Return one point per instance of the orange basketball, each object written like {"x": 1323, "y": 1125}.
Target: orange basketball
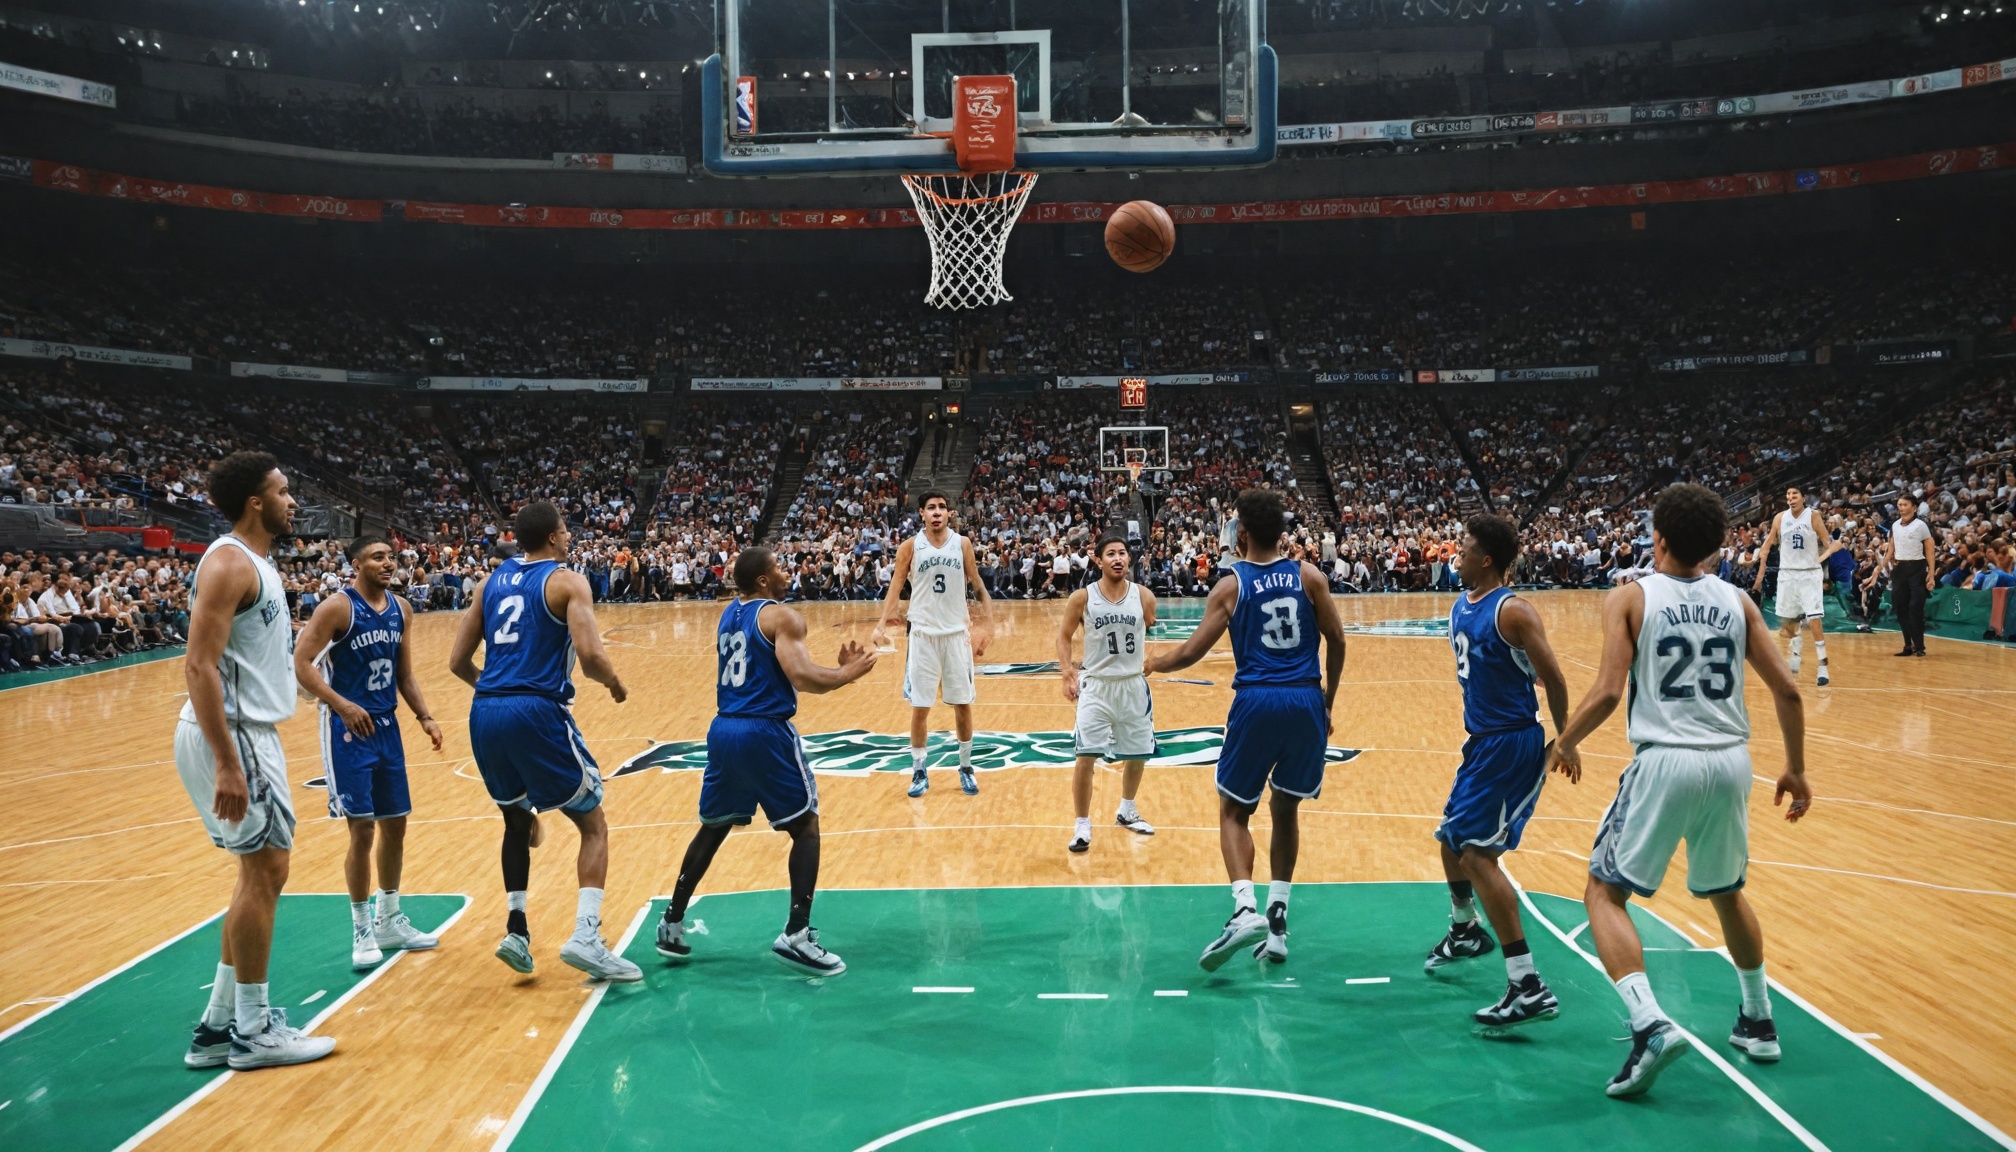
{"x": 1140, "y": 235}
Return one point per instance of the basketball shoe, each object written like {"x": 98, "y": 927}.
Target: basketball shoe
{"x": 277, "y": 1045}
{"x": 1464, "y": 941}
{"x": 920, "y": 782}
{"x": 590, "y": 955}
{"x": 516, "y": 951}
{"x": 672, "y": 942}
{"x": 1274, "y": 948}
{"x": 1133, "y": 823}
{"x": 802, "y": 952}
{"x": 1242, "y": 929}
{"x": 1652, "y": 1049}
{"x": 396, "y": 931}
{"x": 1757, "y": 1037}
{"x": 1524, "y": 1002}
{"x": 208, "y": 1047}
{"x": 967, "y": 783}
{"x": 364, "y": 950}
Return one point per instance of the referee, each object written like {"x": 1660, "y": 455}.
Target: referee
{"x": 1910, "y": 574}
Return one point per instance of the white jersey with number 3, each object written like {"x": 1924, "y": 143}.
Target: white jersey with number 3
{"x": 937, "y": 585}
{"x": 1687, "y": 679}
{"x": 1114, "y": 634}
{"x": 1798, "y": 543}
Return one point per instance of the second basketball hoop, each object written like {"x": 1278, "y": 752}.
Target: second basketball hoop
{"x": 968, "y": 217}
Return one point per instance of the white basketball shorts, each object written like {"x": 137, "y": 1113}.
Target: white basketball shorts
{"x": 1116, "y": 718}
{"x": 1799, "y": 595}
{"x": 269, "y": 810}
{"x": 939, "y": 667}
{"x": 1700, "y": 795}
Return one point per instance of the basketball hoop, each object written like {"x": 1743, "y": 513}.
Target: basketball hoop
{"x": 1134, "y": 472}
{"x": 967, "y": 219}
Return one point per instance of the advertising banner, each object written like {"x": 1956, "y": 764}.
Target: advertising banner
{"x": 1906, "y": 352}
{"x": 57, "y": 350}
{"x": 1165, "y": 379}
{"x": 1465, "y": 375}
{"x": 16, "y": 168}
{"x": 1575, "y": 372}
{"x": 59, "y": 86}
{"x": 1365, "y": 376}
{"x": 1733, "y": 360}
{"x": 525, "y": 384}
{"x": 620, "y": 162}
{"x": 291, "y": 372}
{"x": 1832, "y": 96}
{"x": 818, "y": 383}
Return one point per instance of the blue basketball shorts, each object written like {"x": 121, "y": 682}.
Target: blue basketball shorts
{"x": 1278, "y": 734}
{"x": 752, "y": 761}
{"x": 1497, "y": 786}
{"x": 366, "y": 775}
{"x": 531, "y": 755}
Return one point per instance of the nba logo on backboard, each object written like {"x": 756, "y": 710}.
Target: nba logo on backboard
{"x": 983, "y": 123}
{"x": 745, "y": 106}
{"x": 1133, "y": 392}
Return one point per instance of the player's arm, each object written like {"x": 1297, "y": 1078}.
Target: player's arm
{"x": 786, "y": 631}
{"x": 1520, "y": 624}
{"x": 409, "y": 685}
{"x": 1074, "y": 618}
{"x": 468, "y": 634}
{"x": 1623, "y": 610}
{"x": 1777, "y": 676}
{"x": 1331, "y": 624}
{"x": 892, "y": 616}
{"x": 330, "y": 619}
{"x": 577, "y": 607}
{"x": 1764, "y": 555}
{"x": 1217, "y": 617}
{"x": 216, "y": 602}
{"x": 984, "y": 613}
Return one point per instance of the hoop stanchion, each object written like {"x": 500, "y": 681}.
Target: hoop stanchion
{"x": 967, "y": 219}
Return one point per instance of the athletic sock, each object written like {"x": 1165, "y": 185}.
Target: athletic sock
{"x": 251, "y": 1009}
{"x": 360, "y": 913}
{"x": 588, "y": 913}
{"x": 515, "y": 922}
{"x": 1127, "y": 810}
{"x": 1637, "y": 994}
{"x": 388, "y": 904}
{"x": 1462, "y": 902}
{"x": 916, "y": 759}
{"x": 965, "y": 755}
{"x": 1756, "y": 994}
{"x": 1083, "y": 829}
{"x": 1277, "y": 893}
{"x": 1242, "y": 896}
{"x": 1798, "y": 646}
{"x": 1518, "y": 961}
{"x": 223, "y": 998}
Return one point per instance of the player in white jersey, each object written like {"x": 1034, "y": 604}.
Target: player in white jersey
{"x": 240, "y": 673}
{"x": 1116, "y": 715}
{"x": 1803, "y": 548}
{"x": 939, "y": 565}
{"x": 1680, "y": 638}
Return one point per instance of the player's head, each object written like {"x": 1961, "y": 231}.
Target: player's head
{"x": 1113, "y": 555}
{"x": 251, "y": 491}
{"x": 758, "y": 575}
{"x": 1689, "y": 522}
{"x": 1795, "y": 500}
{"x": 936, "y": 508}
{"x": 371, "y": 556}
{"x": 1262, "y": 518}
{"x": 1490, "y": 544}
{"x": 541, "y": 530}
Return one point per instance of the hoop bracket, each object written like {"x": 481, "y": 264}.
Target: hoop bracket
{"x": 983, "y": 123}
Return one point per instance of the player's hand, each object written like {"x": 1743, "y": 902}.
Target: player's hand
{"x": 356, "y": 719}
{"x": 433, "y": 731}
{"x": 880, "y": 639}
{"x": 617, "y": 691}
{"x": 1793, "y": 784}
{"x": 981, "y": 636}
{"x": 1565, "y": 759}
{"x": 1070, "y": 683}
{"x": 856, "y": 661}
{"x": 232, "y": 798}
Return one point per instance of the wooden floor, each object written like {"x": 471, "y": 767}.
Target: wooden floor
{"x": 1893, "y": 907}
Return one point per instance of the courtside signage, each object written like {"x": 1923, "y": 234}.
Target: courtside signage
{"x": 59, "y": 86}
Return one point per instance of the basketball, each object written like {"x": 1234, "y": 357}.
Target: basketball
{"x": 1140, "y": 236}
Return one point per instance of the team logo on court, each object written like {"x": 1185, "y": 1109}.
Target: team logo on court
{"x": 1433, "y": 627}
{"x": 1034, "y": 668}
{"x": 858, "y": 753}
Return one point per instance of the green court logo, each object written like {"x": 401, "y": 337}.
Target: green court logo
{"x": 1033, "y": 668}
{"x": 1428, "y": 628}
{"x": 856, "y": 752}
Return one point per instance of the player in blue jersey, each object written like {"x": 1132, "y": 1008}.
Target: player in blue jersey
{"x": 1501, "y": 648}
{"x": 532, "y": 617}
{"x": 754, "y": 758}
{"x": 352, "y": 656}
{"x": 1276, "y": 608}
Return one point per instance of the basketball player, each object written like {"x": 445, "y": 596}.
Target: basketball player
{"x": 754, "y": 756}
{"x": 1680, "y": 638}
{"x": 532, "y": 616}
{"x": 940, "y": 566}
{"x": 1803, "y": 547}
{"x": 1501, "y": 647}
{"x": 1116, "y": 715}
{"x": 352, "y": 656}
{"x": 228, "y": 753}
{"x": 1279, "y": 723}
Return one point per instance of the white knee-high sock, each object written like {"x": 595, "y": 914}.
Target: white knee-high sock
{"x": 1242, "y": 895}
{"x": 588, "y": 913}
{"x": 916, "y": 759}
{"x": 965, "y": 755}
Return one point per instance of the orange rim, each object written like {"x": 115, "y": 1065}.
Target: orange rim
{"x": 919, "y": 182}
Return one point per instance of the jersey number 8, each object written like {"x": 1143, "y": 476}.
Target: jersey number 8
{"x": 734, "y": 658}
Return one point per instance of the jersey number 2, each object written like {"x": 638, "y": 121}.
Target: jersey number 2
{"x": 510, "y": 608}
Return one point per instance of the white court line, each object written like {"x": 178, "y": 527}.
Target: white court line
{"x": 1891, "y": 879}
{"x": 553, "y": 1062}
{"x": 96, "y": 835}
{"x": 1743, "y": 1082}
{"x": 110, "y": 880}
{"x": 196, "y": 1097}
{"x": 927, "y": 989}
{"x": 59, "y": 1001}
{"x": 12, "y": 780}
{"x": 1071, "y": 996}
{"x": 1172, "y": 992}
{"x": 1369, "y": 980}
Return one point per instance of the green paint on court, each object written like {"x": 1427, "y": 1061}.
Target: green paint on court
{"x": 107, "y": 1063}
{"x": 857, "y": 752}
{"x": 1427, "y": 627}
{"x": 70, "y": 671}
{"x": 1176, "y": 619}
{"x": 734, "y": 1049}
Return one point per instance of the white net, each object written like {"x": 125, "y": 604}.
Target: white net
{"x": 967, "y": 218}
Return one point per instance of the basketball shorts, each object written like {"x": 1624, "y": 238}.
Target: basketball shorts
{"x": 1700, "y": 795}
{"x": 366, "y": 774}
{"x": 1496, "y": 789}
{"x": 1116, "y": 718}
{"x": 531, "y": 755}
{"x": 269, "y": 809}
{"x": 1277, "y": 734}
{"x": 1799, "y": 594}
{"x": 939, "y": 667}
{"x": 755, "y": 761}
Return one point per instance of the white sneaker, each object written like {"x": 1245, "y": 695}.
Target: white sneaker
{"x": 801, "y": 950}
{"x": 1134, "y": 824}
{"x": 364, "y": 951}
{"x": 277, "y": 1045}
{"x": 594, "y": 957}
{"x": 398, "y": 932}
{"x": 1242, "y": 929}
